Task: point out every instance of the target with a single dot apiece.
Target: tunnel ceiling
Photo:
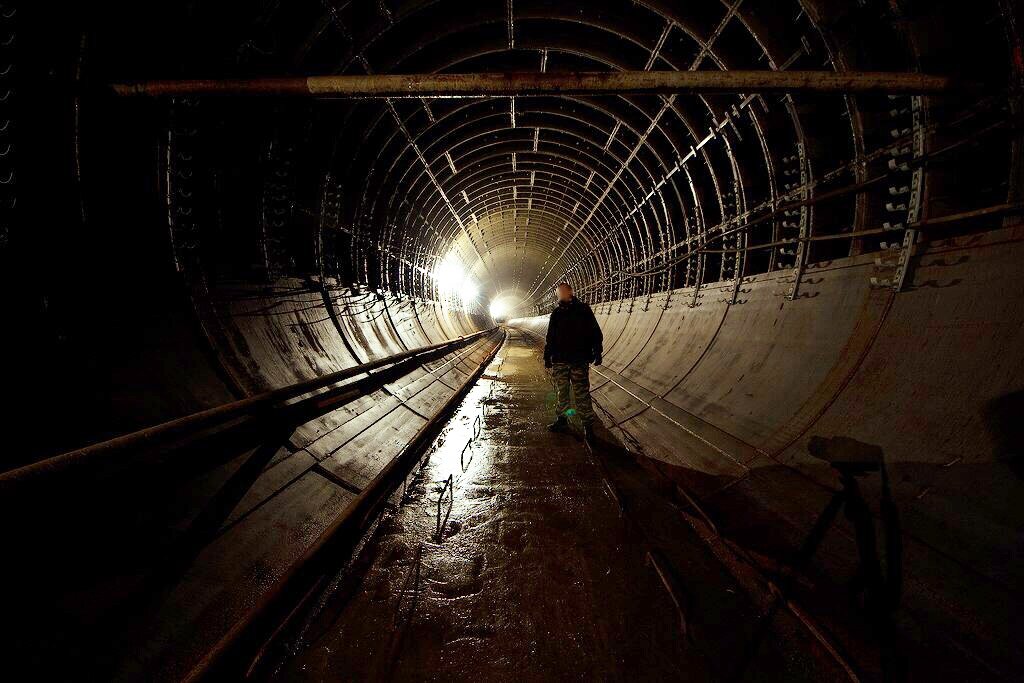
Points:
(617, 194)
(175, 255)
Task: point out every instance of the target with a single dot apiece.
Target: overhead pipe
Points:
(557, 83)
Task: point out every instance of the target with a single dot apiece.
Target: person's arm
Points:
(549, 341)
(597, 338)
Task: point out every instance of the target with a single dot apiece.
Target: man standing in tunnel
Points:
(574, 341)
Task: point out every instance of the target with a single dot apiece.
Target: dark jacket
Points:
(573, 334)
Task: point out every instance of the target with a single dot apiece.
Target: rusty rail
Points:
(564, 83)
(123, 450)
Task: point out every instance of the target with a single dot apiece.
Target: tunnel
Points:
(278, 279)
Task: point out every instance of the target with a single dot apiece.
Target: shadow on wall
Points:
(726, 401)
(892, 602)
(1004, 419)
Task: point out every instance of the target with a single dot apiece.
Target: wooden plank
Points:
(271, 481)
(367, 454)
(363, 413)
(225, 577)
(429, 401)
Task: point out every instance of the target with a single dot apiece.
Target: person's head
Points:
(564, 291)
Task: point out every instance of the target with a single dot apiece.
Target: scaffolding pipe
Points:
(123, 450)
(565, 83)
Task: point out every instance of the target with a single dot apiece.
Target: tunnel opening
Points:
(773, 267)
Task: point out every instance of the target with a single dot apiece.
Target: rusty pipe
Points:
(564, 83)
(123, 446)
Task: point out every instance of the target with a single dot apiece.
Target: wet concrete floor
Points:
(537, 573)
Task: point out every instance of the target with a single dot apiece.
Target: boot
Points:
(559, 425)
(588, 433)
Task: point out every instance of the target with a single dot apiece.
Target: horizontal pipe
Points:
(157, 434)
(556, 83)
(733, 225)
(855, 188)
(924, 224)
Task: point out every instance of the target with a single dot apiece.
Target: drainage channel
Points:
(436, 487)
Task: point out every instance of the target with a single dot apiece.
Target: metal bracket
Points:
(915, 199)
(800, 260)
(892, 272)
(694, 302)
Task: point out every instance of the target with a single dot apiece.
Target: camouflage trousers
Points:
(578, 376)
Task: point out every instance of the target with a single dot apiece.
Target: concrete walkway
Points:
(540, 571)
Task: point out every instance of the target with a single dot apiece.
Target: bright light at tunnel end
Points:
(503, 306)
(499, 309)
(453, 282)
(448, 275)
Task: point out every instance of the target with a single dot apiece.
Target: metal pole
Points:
(124, 448)
(568, 83)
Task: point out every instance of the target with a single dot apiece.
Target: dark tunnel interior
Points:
(238, 325)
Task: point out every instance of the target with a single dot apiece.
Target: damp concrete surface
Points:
(511, 556)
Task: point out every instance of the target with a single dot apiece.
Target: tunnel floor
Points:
(544, 568)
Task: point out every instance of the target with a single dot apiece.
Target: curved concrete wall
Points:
(725, 398)
(195, 350)
(302, 484)
(240, 516)
(267, 341)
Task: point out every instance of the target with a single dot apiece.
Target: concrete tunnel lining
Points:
(190, 252)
